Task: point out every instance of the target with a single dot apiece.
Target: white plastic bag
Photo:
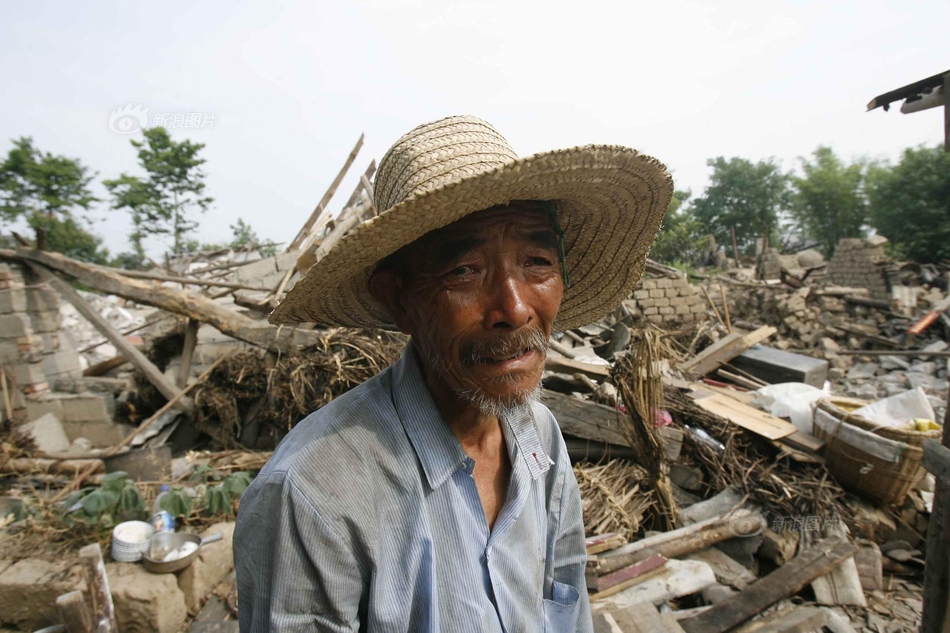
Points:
(792, 400)
(899, 410)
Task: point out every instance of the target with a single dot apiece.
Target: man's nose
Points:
(508, 307)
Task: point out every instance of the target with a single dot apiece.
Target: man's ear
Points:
(387, 288)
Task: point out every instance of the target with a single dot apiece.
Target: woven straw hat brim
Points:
(610, 199)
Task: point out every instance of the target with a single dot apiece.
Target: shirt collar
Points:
(436, 447)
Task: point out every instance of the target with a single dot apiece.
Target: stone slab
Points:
(214, 562)
(47, 433)
(29, 588)
(146, 602)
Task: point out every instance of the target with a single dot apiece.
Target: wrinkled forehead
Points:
(517, 217)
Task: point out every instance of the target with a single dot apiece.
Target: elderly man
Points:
(438, 496)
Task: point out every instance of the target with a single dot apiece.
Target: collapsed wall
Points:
(667, 300)
(861, 263)
(41, 364)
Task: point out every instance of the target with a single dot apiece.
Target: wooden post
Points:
(936, 593)
(735, 248)
(325, 200)
(129, 351)
(187, 352)
(946, 112)
(97, 583)
(74, 612)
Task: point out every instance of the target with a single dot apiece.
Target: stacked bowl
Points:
(130, 540)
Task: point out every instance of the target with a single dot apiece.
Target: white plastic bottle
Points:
(162, 520)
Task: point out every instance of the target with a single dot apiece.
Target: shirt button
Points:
(488, 553)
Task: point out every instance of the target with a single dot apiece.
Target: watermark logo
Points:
(182, 120)
(747, 526)
(129, 120)
(802, 523)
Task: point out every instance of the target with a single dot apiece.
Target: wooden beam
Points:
(194, 306)
(891, 352)
(724, 350)
(127, 349)
(785, 581)
(571, 366)
(584, 419)
(187, 352)
(325, 200)
(188, 281)
(936, 594)
(74, 612)
(97, 583)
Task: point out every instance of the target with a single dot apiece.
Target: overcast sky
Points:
(289, 87)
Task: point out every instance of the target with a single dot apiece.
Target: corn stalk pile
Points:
(613, 497)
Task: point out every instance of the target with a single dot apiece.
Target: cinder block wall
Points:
(665, 300)
(857, 264)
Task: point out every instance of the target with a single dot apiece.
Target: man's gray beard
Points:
(502, 408)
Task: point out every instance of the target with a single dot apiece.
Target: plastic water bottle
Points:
(703, 437)
(162, 520)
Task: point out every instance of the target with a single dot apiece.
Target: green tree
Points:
(246, 237)
(910, 203)
(681, 238)
(48, 192)
(829, 201)
(743, 195)
(164, 203)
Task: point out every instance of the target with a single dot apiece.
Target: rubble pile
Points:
(710, 485)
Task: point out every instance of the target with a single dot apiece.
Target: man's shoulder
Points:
(342, 445)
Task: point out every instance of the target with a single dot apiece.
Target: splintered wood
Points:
(614, 498)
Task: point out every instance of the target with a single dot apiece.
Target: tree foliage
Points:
(164, 203)
(681, 238)
(49, 192)
(910, 203)
(829, 201)
(246, 237)
(747, 196)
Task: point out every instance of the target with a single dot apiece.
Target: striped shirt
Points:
(367, 518)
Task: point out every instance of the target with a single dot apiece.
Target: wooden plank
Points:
(656, 572)
(571, 366)
(793, 620)
(604, 542)
(643, 618)
(97, 583)
(727, 570)
(725, 350)
(585, 419)
(623, 578)
(785, 581)
(74, 612)
(936, 594)
(749, 418)
(187, 352)
(127, 349)
(325, 200)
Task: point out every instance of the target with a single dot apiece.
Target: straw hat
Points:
(610, 202)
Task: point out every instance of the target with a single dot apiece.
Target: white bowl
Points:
(130, 540)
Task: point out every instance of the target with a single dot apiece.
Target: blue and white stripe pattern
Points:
(367, 518)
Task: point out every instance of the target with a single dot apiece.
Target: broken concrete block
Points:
(100, 433)
(88, 407)
(12, 300)
(62, 364)
(48, 321)
(29, 373)
(42, 404)
(42, 300)
(146, 602)
(214, 562)
(776, 366)
(15, 326)
(863, 371)
(47, 433)
(29, 588)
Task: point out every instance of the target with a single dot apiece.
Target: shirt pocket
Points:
(560, 612)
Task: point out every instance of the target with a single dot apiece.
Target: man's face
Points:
(479, 299)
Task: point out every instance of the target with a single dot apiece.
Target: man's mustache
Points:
(481, 350)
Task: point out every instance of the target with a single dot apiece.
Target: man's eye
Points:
(461, 271)
(539, 261)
